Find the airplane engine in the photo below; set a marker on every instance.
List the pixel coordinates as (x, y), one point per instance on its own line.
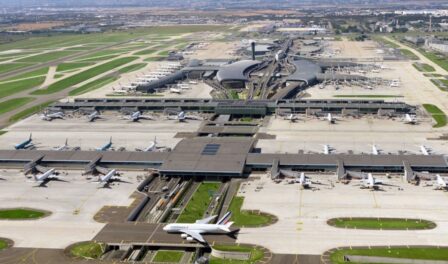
(183, 236)
(190, 239)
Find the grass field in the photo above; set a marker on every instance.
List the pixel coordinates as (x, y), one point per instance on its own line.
(438, 115)
(198, 204)
(84, 75)
(2, 132)
(96, 59)
(145, 52)
(158, 58)
(337, 257)
(29, 111)
(72, 66)
(234, 95)
(256, 254)
(409, 54)
(423, 67)
(386, 42)
(381, 223)
(46, 57)
(12, 104)
(168, 256)
(92, 85)
(101, 53)
(88, 250)
(367, 96)
(442, 84)
(10, 88)
(37, 73)
(440, 60)
(3, 244)
(17, 214)
(132, 67)
(8, 67)
(246, 218)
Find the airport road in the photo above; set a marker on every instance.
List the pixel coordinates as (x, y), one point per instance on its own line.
(303, 214)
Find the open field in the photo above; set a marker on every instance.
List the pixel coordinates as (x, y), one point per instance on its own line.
(197, 205)
(29, 111)
(7, 89)
(72, 66)
(381, 223)
(423, 67)
(170, 256)
(3, 244)
(409, 54)
(88, 250)
(20, 214)
(132, 67)
(98, 83)
(256, 254)
(437, 59)
(7, 67)
(46, 57)
(427, 253)
(36, 73)
(12, 104)
(83, 76)
(438, 115)
(246, 218)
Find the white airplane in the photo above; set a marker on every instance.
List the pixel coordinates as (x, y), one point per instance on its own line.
(441, 183)
(175, 90)
(152, 146)
(327, 149)
(93, 116)
(45, 177)
(194, 231)
(292, 118)
(411, 120)
(108, 178)
(25, 144)
(63, 147)
(303, 181)
(52, 116)
(370, 182)
(425, 150)
(375, 150)
(106, 146)
(330, 119)
(181, 117)
(136, 116)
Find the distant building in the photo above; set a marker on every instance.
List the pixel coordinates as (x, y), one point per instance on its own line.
(437, 45)
(415, 40)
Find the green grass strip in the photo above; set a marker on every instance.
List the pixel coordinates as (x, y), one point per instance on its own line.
(170, 256)
(256, 254)
(88, 250)
(381, 223)
(12, 104)
(427, 253)
(84, 75)
(8, 67)
(423, 67)
(132, 67)
(17, 214)
(92, 85)
(246, 218)
(46, 57)
(366, 96)
(30, 111)
(439, 59)
(438, 115)
(3, 244)
(199, 202)
(145, 52)
(7, 89)
(72, 66)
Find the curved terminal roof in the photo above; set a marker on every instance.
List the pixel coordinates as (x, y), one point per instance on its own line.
(306, 71)
(236, 71)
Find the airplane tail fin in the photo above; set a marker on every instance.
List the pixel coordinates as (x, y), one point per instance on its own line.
(66, 142)
(31, 136)
(225, 219)
(110, 140)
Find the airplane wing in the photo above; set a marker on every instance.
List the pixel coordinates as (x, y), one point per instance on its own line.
(205, 220)
(194, 234)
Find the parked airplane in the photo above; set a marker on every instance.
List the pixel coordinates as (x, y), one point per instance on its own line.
(151, 147)
(52, 116)
(108, 178)
(327, 149)
(45, 177)
(441, 183)
(93, 116)
(303, 181)
(292, 118)
(181, 117)
(370, 182)
(136, 116)
(425, 150)
(408, 119)
(175, 90)
(375, 150)
(194, 231)
(106, 146)
(63, 147)
(330, 119)
(25, 144)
